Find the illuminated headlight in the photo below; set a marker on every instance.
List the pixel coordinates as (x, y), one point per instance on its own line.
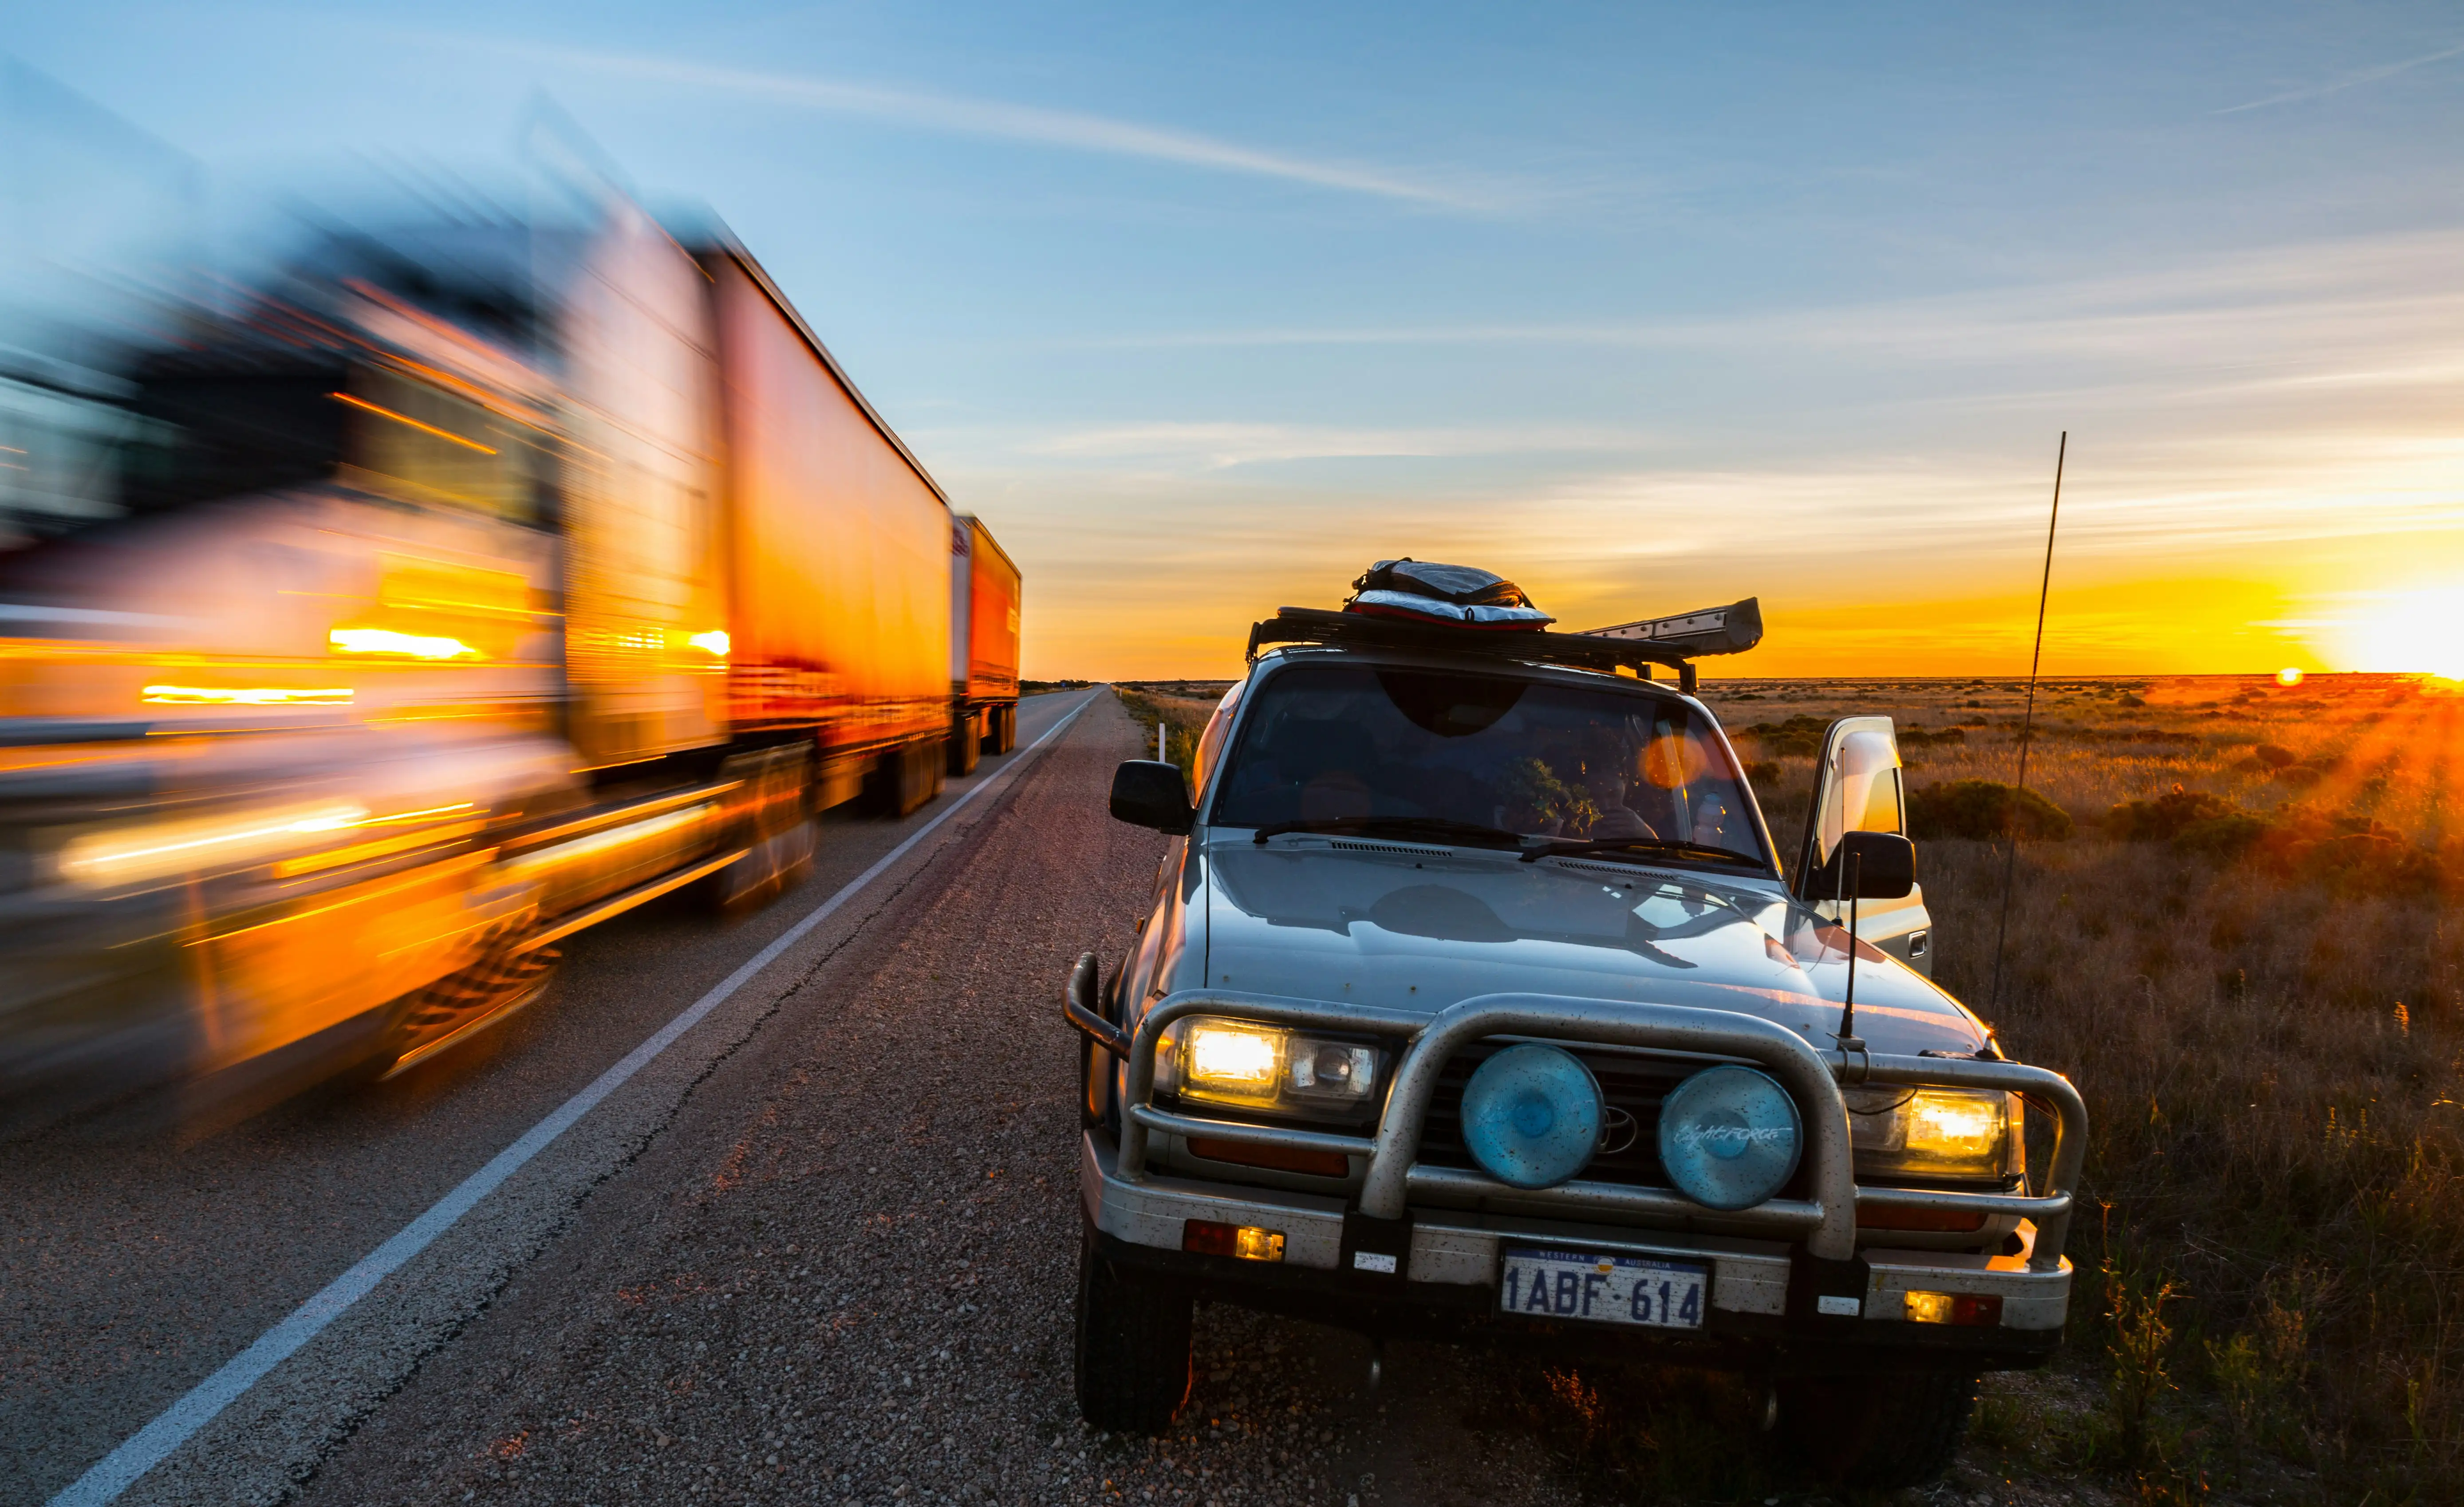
(1263, 1067)
(1930, 1133)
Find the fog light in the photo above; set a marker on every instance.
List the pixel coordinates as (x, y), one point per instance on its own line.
(1247, 1242)
(1972, 1310)
(1532, 1115)
(1728, 1137)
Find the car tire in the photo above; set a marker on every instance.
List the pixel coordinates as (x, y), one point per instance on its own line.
(1877, 1432)
(1132, 1345)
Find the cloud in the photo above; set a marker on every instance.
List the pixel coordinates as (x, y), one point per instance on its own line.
(2338, 85)
(1001, 121)
(1221, 445)
(2375, 294)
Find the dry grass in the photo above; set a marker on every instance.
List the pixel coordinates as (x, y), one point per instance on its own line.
(2272, 1047)
(1182, 706)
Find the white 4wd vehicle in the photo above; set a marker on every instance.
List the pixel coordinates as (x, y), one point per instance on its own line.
(1474, 1004)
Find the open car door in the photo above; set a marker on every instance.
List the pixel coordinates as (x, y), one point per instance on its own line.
(1858, 787)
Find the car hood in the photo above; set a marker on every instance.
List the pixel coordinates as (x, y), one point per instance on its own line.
(1411, 929)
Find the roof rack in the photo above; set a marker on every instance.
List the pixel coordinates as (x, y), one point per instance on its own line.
(1596, 651)
(1731, 629)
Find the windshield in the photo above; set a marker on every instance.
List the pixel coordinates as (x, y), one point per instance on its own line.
(1352, 743)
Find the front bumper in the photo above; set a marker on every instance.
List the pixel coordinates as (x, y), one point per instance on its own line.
(1446, 1286)
(1788, 1283)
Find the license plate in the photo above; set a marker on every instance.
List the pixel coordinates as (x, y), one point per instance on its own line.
(1546, 1283)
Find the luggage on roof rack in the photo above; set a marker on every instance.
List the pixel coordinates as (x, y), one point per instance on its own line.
(1421, 591)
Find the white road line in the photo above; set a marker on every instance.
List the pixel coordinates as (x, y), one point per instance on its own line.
(115, 1472)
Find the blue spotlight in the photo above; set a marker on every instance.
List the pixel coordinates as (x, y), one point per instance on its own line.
(1730, 1137)
(1531, 1115)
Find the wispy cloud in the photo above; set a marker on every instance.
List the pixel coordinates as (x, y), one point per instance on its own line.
(2361, 310)
(2344, 81)
(1222, 444)
(1001, 121)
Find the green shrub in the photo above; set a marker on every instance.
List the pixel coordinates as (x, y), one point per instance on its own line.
(2222, 836)
(1800, 737)
(1980, 810)
(2167, 817)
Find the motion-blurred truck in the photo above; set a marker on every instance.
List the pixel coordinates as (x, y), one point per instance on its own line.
(984, 646)
(463, 585)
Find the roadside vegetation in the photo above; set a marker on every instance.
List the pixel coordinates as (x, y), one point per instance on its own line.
(2234, 926)
(1181, 706)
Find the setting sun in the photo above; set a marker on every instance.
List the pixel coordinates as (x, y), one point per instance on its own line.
(2289, 675)
(2419, 632)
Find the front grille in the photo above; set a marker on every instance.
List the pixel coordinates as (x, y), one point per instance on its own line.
(1629, 1081)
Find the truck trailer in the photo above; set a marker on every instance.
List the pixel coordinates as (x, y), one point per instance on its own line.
(984, 646)
(462, 586)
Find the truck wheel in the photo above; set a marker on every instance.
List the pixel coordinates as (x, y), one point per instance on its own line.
(965, 746)
(906, 776)
(774, 864)
(1132, 1346)
(1877, 1433)
(460, 1005)
(919, 775)
(1004, 728)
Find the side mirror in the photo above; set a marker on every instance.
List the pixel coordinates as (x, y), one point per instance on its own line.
(1149, 793)
(1880, 866)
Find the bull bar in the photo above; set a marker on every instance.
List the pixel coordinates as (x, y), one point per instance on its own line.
(1825, 1221)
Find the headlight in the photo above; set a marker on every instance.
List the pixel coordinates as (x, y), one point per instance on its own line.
(1930, 1133)
(1264, 1067)
(160, 849)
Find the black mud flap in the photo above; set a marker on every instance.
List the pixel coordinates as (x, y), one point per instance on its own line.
(1377, 1252)
(1826, 1293)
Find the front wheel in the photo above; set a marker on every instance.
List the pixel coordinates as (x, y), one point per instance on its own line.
(1132, 1345)
(507, 975)
(1877, 1432)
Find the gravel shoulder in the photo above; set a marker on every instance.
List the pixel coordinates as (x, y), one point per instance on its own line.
(845, 1271)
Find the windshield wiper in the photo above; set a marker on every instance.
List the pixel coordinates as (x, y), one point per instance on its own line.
(1440, 828)
(1564, 847)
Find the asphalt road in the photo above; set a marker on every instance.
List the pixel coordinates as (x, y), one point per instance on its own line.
(819, 1250)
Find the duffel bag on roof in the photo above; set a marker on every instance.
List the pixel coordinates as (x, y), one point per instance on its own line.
(1419, 591)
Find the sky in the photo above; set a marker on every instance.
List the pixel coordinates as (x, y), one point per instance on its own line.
(1205, 309)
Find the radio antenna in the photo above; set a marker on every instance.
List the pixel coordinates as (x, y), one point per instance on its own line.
(2027, 726)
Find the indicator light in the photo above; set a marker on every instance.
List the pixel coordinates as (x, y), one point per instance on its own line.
(1968, 1310)
(1247, 1242)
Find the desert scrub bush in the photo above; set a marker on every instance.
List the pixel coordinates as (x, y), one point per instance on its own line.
(1980, 809)
(2275, 1072)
